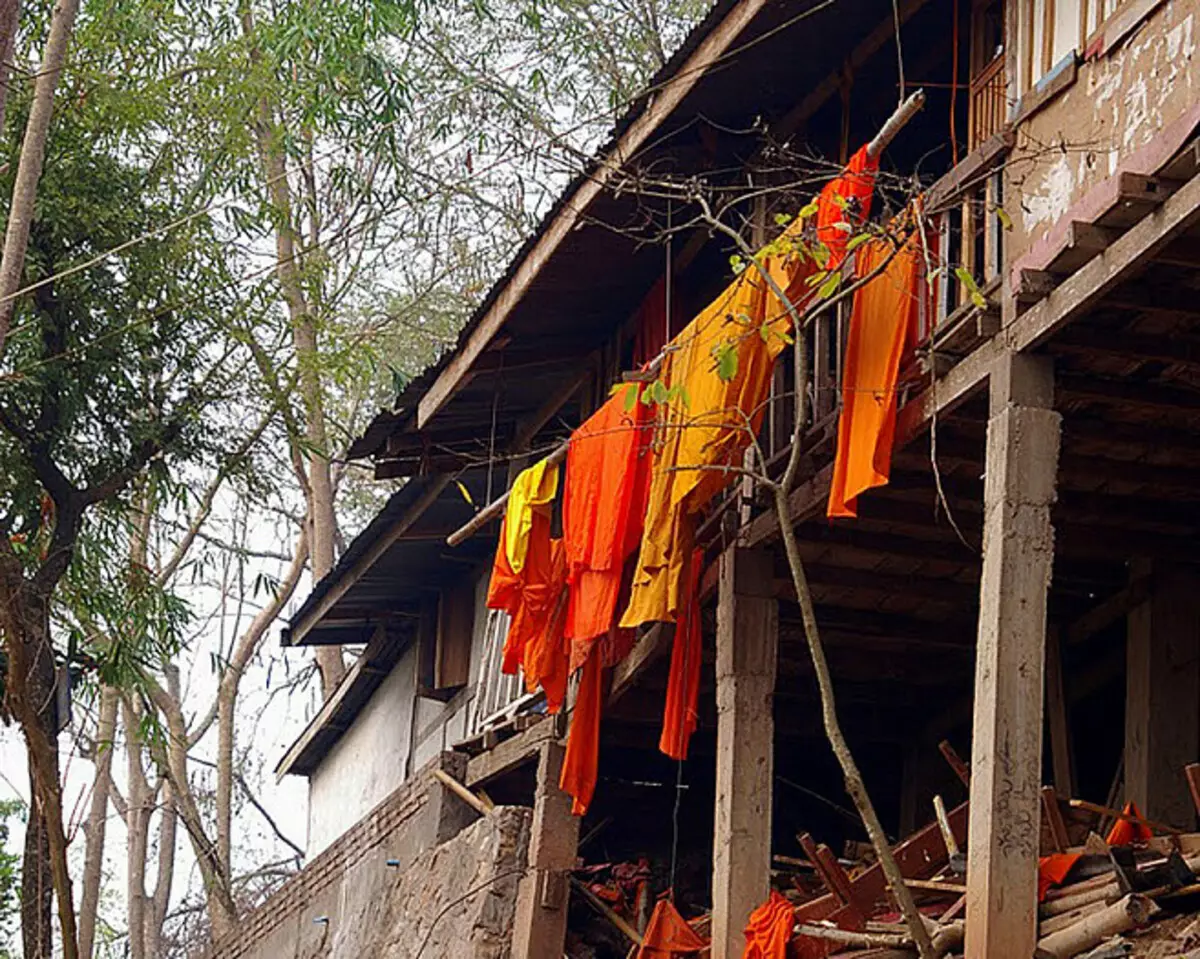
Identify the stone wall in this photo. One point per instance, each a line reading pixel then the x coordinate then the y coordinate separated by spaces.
pixel 451 885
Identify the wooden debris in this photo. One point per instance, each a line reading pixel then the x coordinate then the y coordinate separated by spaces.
pixel 481 806
pixel 1121 916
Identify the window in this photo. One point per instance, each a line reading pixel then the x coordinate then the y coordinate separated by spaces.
pixel 1051 30
pixel 444 635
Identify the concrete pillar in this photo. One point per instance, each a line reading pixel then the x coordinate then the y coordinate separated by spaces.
pixel 540 923
pixel 747 644
pixel 1006 747
pixel 1162 693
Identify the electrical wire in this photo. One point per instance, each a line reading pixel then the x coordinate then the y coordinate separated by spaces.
pixel 899 49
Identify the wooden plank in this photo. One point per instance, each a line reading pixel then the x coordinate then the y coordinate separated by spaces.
pixel 648 650
pixel 510 754
pixel 299 629
pixel 1071 299
pixel 658 108
pixel 1053 817
pixel 1057 716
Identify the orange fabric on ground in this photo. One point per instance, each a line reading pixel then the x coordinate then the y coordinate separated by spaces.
pixel 582 759
pixel 845 204
pixel 883 319
pixel 683 684
pixel 1124 832
pixel 1052 870
pixel 770 929
pixel 668 934
pixel 604 503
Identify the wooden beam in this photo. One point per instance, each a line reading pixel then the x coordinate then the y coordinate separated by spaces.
pixel 658 108
pixel 649 649
pixel 829 87
pixel 1074 297
pixel 1006 745
pixel 1058 717
pixel 747 653
pixel 301 627
pixel 509 754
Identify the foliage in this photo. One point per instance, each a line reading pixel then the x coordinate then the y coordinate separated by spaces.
pixel 10 875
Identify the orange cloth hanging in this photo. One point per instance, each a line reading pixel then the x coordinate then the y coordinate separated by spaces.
pixel 709 421
pixel 770 929
pixel 683 684
pixel 1052 870
pixel 845 204
pixel 535 600
pixel 582 759
pixel 604 503
pixel 883 320
pixel 668 934
pixel 1124 832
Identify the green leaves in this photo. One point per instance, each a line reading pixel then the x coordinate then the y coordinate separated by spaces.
pixel 726 356
pixel 973 292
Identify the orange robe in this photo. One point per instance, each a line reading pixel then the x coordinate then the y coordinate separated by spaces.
pixel 1052 870
pixel 770 929
pixel 845 204
pixel 535 601
pixel 580 764
pixel 1124 832
pixel 668 934
pixel 883 320
pixel 683 682
pixel 705 426
pixel 604 503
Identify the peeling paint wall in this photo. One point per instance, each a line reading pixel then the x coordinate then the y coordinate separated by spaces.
pixel 1118 103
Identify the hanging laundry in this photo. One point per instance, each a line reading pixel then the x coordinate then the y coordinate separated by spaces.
pixel 604 503
pixel 668 934
pixel 582 759
pixel 845 204
pixel 534 596
pixel 883 321
pixel 1124 832
pixel 533 488
pixel 683 683
pixel 770 929
pixel 651 329
pixel 708 424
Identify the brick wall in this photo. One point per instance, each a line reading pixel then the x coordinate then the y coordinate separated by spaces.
pixel 348 902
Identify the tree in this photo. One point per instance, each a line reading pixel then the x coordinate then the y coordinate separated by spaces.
pixel 10 874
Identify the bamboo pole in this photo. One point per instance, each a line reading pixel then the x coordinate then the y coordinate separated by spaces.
pixel 462 792
pixel 1092 930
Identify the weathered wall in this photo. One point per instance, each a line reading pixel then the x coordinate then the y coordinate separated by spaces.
pixel 377 754
pixel 1124 107
pixel 348 902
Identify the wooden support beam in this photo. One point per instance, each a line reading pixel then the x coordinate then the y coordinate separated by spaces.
pixel 1058 717
pixel 658 108
pixel 1074 297
pixel 1053 817
pixel 540 920
pixel 1162 693
pixel 747 649
pixel 1006 746
pixel 509 754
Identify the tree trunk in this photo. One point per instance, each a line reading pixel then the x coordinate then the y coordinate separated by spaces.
pixel 10 13
pixel 137 821
pixel 97 822
pixel 167 828
pixel 321 517
pixel 37 888
pixel 33 155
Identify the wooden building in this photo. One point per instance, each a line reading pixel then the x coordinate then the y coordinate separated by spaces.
pixel 1048 594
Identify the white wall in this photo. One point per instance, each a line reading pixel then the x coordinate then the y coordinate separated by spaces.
pixel 375 755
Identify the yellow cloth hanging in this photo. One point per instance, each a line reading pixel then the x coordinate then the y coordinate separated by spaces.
pixel 533 488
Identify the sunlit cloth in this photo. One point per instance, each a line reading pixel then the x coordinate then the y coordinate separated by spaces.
pixel 770 929
pixel 882 322
pixel 582 759
pixel 845 204
pixel 683 683
pixel 533 488
pixel 668 934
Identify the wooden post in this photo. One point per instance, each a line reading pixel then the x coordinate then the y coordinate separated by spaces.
pixel 540 923
pixel 1058 717
pixel 747 643
pixel 1006 749
pixel 1162 694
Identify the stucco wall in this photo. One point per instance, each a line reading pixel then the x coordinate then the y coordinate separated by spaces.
pixel 349 902
pixel 1125 103
pixel 376 754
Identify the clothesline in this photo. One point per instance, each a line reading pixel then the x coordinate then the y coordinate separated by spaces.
pixel 494 510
